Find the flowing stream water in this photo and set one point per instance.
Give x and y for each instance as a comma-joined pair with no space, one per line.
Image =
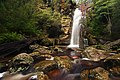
74,42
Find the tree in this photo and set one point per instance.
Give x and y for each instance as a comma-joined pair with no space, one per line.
100,19
116,20
26,18
17,16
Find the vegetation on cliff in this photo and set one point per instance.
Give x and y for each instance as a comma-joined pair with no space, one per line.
103,18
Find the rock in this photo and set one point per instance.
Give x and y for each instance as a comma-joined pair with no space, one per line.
21,62
37,56
46,66
112,64
42,76
57,49
63,62
94,54
42,50
95,74
65,21
66,27
35,46
113,77
112,45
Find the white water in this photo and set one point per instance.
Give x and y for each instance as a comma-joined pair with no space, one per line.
74,42
77,1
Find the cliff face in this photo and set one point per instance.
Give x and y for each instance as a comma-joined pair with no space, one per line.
66,24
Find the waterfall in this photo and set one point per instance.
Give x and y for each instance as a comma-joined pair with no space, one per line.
74,42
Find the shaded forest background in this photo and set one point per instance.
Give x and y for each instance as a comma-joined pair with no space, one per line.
41,19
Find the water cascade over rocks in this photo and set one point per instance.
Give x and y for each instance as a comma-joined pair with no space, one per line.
74,42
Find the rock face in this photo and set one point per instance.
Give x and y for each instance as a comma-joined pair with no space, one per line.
66,27
66,21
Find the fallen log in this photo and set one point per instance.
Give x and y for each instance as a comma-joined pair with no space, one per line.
14,48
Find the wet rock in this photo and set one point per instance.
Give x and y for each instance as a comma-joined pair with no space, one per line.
112,45
112,64
42,50
57,49
37,56
46,66
116,56
112,77
23,58
64,62
42,76
21,62
94,68
95,74
35,46
82,65
94,54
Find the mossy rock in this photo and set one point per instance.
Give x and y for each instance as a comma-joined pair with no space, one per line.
64,62
46,66
21,62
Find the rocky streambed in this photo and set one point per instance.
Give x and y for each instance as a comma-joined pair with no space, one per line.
61,63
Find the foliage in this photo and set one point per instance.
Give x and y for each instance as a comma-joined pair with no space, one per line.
116,20
10,37
26,18
16,16
47,19
99,19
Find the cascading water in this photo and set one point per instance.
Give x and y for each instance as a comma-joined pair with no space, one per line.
74,42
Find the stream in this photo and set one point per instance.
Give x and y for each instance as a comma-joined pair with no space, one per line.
62,63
